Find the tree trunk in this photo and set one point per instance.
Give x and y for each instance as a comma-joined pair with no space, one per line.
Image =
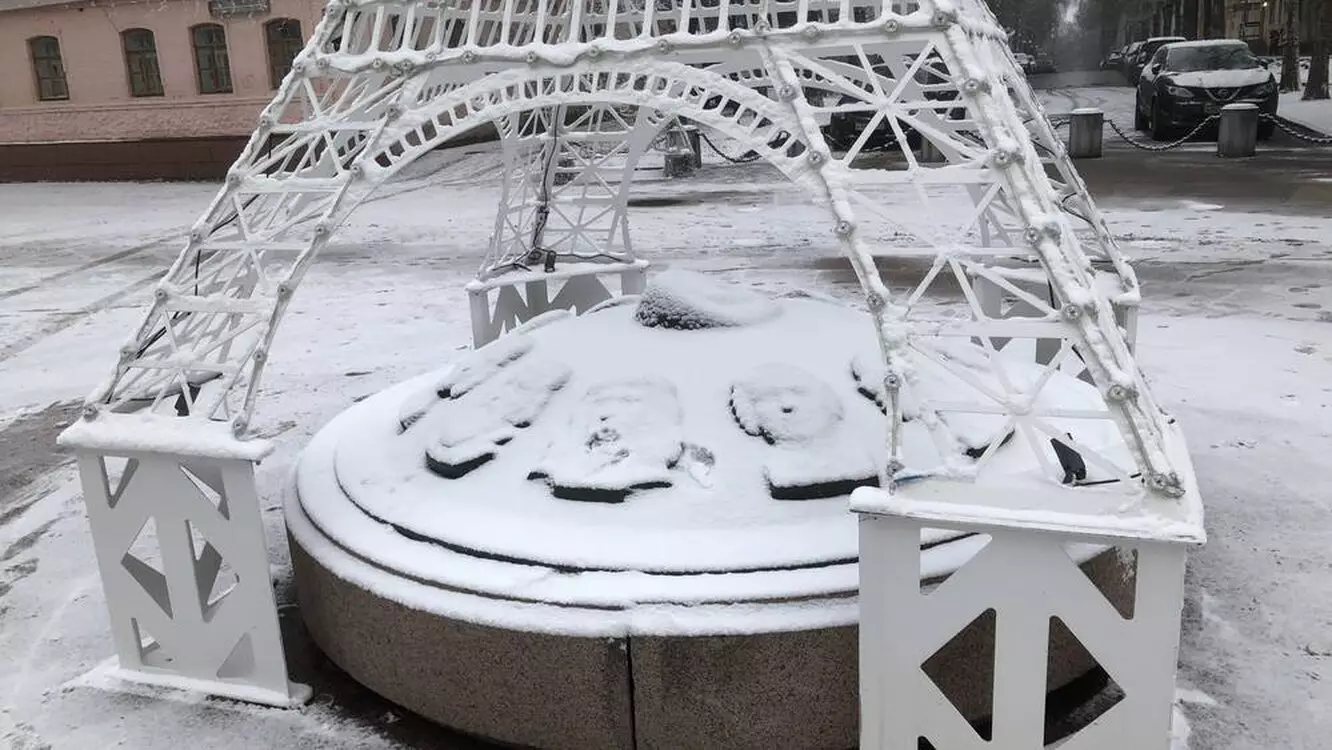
1290,57
1316,88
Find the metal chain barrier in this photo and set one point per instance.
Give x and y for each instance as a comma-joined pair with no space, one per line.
747,158
1293,133
1160,146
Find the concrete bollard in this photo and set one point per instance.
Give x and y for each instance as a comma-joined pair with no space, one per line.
695,144
679,165
682,150
1238,135
1085,128
929,153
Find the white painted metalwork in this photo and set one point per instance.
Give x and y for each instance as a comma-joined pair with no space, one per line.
525,294
184,564
1023,576
580,89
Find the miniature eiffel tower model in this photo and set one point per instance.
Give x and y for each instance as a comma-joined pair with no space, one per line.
580,90
908,123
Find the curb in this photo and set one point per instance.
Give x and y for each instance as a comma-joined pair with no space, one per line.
1304,126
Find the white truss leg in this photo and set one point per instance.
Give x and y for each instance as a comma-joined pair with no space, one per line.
889,319
184,564
569,173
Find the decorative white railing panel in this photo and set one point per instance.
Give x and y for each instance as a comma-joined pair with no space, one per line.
1027,576
184,564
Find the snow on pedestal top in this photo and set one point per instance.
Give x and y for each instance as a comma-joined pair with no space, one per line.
699,428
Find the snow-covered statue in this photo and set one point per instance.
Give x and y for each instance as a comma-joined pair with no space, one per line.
696,387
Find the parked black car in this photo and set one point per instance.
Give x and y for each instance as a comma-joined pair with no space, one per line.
1186,82
1114,59
1144,53
1126,59
1042,64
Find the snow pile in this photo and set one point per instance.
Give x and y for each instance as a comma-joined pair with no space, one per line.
477,367
483,364
813,453
684,300
668,440
479,415
625,436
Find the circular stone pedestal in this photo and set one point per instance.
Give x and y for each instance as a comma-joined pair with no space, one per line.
629,529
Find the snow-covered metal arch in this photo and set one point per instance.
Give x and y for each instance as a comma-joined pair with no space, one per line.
671,87
382,83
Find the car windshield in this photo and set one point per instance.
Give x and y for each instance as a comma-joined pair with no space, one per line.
1216,57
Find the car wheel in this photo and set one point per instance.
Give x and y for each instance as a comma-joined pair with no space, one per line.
1266,129
1139,119
1160,126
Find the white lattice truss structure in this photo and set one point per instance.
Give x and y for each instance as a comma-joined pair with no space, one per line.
580,90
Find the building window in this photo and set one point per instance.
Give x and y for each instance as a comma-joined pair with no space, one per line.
210,58
284,43
145,78
49,69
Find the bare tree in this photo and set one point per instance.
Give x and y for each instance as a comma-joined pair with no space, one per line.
1290,51
1320,23
1031,21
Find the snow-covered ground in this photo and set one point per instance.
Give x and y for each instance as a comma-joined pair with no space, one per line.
1236,334
1116,102
1314,114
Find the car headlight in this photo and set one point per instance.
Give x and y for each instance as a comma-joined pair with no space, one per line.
1179,93
1264,89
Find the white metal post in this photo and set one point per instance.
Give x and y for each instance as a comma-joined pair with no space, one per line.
176,620
1027,576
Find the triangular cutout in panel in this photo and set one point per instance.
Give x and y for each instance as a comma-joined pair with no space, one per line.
1068,652
149,575
151,652
963,670
117,472
1113,572
240,662
213,576
956,549
208,481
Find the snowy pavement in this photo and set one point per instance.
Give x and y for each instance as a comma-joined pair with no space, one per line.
1236,334
1311,114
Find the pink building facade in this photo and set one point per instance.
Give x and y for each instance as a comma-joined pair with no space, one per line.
128,89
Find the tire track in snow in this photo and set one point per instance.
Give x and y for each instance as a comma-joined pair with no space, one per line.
68,319
88,266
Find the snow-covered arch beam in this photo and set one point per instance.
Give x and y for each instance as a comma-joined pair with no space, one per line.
717,102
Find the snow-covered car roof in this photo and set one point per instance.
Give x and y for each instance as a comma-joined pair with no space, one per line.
1166,39
1208,43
